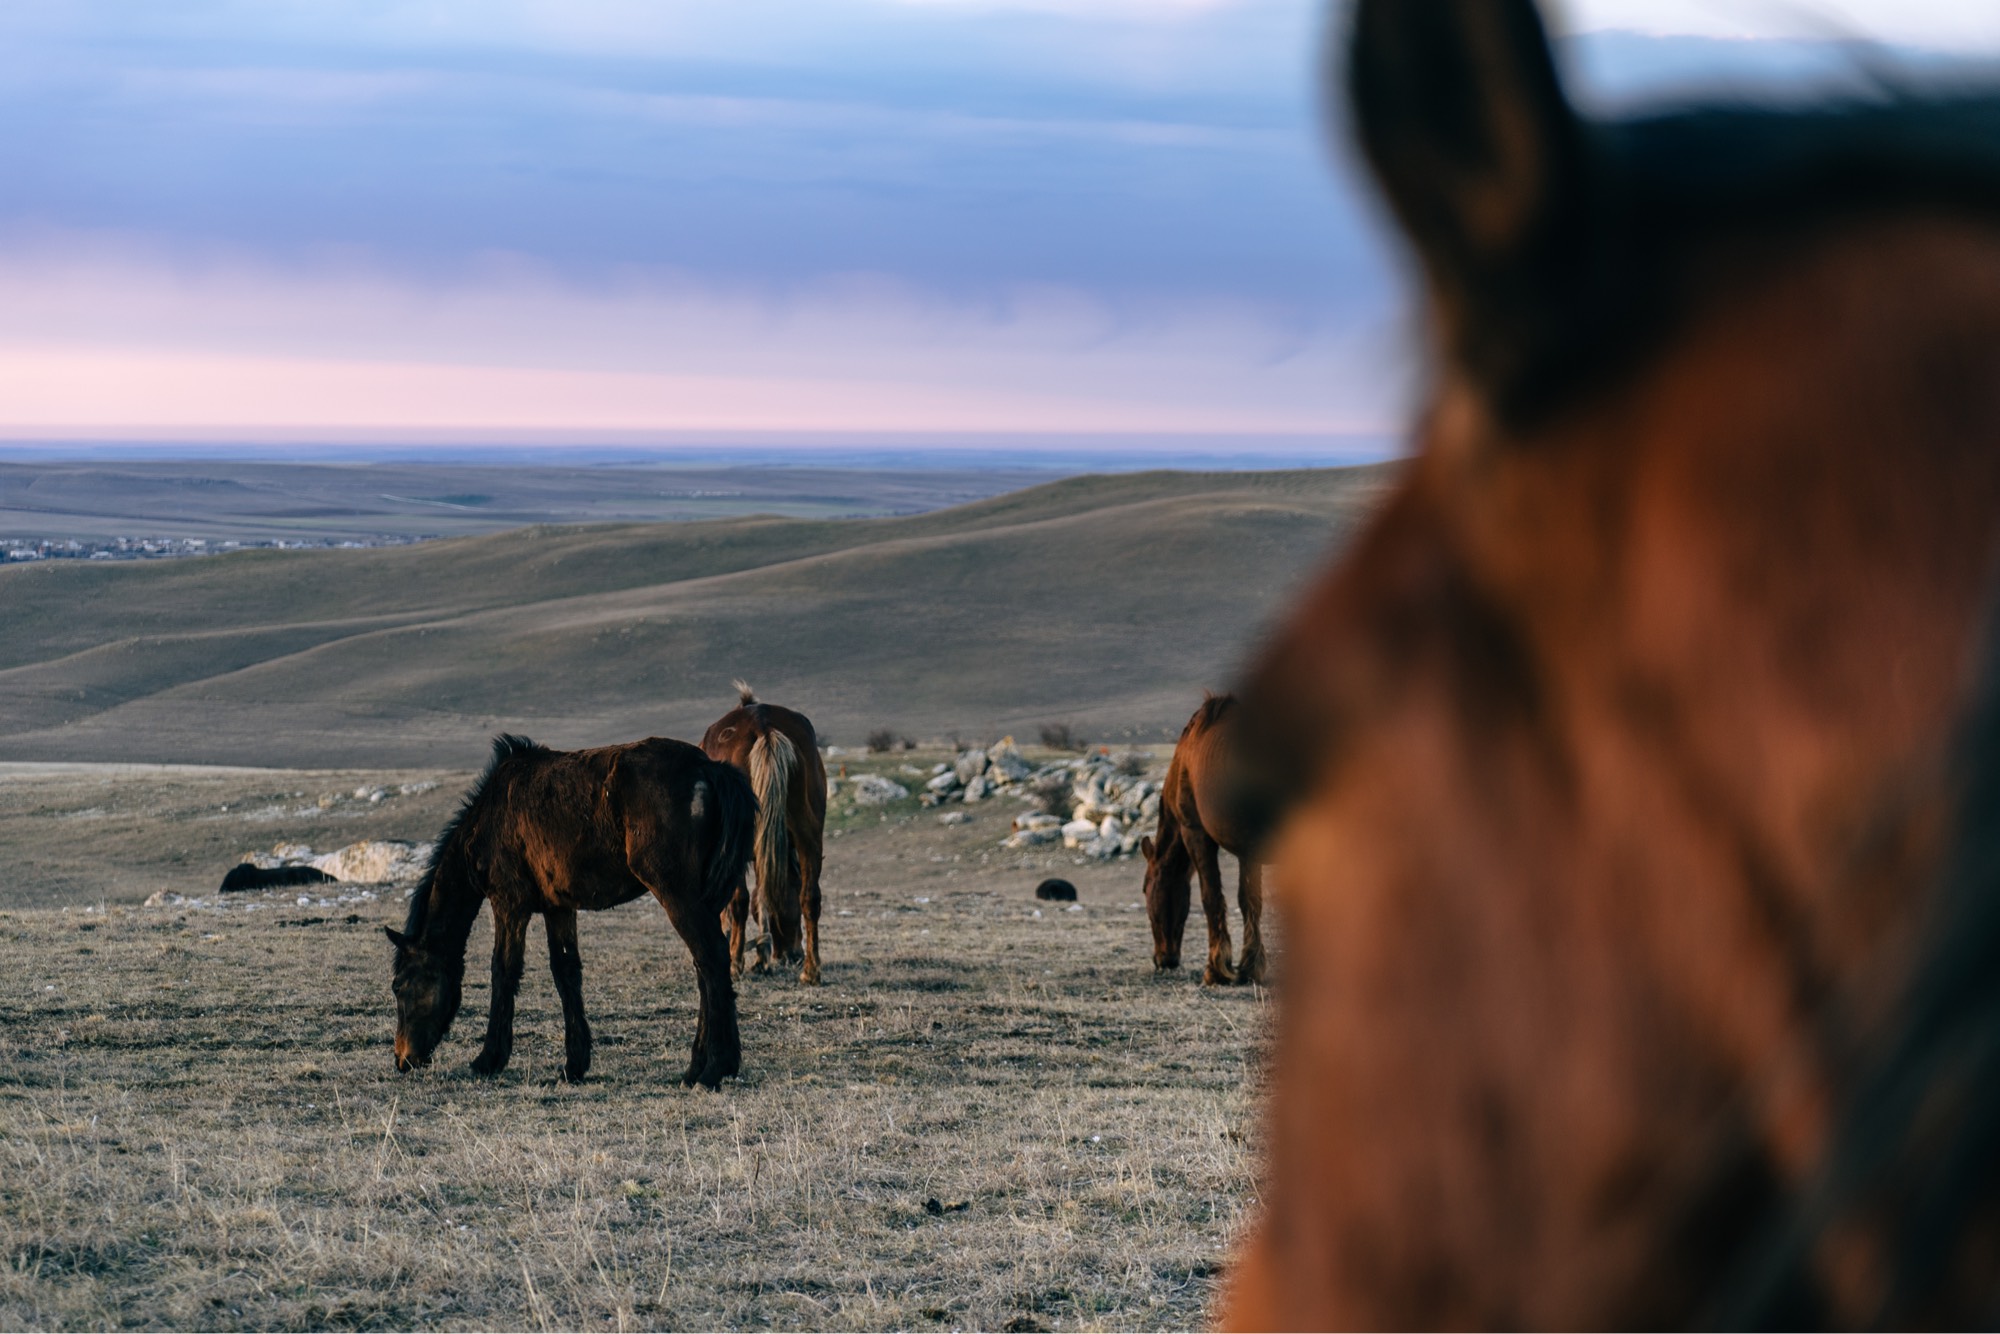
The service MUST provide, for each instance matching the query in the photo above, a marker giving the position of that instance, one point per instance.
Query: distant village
(162, 548)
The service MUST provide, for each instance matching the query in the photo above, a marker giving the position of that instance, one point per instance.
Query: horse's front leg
(566, 963)
(1213, 906)
(510, 938)
(1250, 898)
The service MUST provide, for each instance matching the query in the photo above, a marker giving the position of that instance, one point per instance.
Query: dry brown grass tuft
(984, 1117)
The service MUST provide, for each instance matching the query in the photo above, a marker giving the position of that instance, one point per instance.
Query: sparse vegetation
(1060, 736)
(881, 741)
(983, 1118)
(1054, 793)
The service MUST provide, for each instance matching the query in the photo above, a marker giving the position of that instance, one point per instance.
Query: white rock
(1028, 838)
(953, 817)
(1078, 832)
(1037, 820)
(969, 765)
(977, 788)
(943, 783)
(1004, 758)
(875, 790)
(374, 863)
(1111, 829)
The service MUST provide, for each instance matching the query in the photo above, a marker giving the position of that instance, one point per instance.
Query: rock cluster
(1109, 807)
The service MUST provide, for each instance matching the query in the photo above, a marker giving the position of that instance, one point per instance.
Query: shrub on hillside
(1054, 793)
(1058, 736)
(881, 741)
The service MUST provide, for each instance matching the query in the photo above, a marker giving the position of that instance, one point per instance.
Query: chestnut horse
(1194, 823)
(779, 751)
(1636, 774)
(549, 832)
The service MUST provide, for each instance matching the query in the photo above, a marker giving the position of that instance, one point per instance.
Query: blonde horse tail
(774, 772)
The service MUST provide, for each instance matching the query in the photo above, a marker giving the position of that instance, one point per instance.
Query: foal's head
(427, 987)
(1609, 769)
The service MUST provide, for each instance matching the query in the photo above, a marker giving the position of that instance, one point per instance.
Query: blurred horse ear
(1463, 119)
(397, 938)
(1146, 846)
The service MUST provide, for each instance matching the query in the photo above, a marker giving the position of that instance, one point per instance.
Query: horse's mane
(744, 694)
(1213, 706)
(505, 747)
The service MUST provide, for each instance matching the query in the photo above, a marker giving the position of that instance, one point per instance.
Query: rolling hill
(1107, 602)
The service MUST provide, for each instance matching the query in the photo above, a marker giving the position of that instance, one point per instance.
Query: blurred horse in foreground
(1636, 775)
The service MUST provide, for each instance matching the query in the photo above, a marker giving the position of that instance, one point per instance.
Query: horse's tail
(774, 773)
(729, 812)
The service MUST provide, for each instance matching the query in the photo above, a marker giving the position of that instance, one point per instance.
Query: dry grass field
(985, 1118)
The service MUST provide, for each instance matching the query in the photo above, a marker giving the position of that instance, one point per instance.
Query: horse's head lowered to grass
(1624, 779)
(428, 988)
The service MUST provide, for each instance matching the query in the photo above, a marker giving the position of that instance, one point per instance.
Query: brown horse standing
(779, 751)
(1643, 877)
(1194, 823)
(550, 832)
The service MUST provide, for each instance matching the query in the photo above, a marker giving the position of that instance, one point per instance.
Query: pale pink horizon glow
(103, 341)
(144, 394)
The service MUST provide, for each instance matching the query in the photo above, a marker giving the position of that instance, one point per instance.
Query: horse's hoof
(809, 975)
(1250, 972)
(488, 1066)
(575, 1072)
(1218, 975)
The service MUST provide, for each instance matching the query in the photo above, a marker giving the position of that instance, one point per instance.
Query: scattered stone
(954, 817)
(1078, 832)
(977, 789)
(875, 790)
(943, 783)
(969, 765)
(1004, 760)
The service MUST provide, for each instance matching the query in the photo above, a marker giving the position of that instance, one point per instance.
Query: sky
(560, 221)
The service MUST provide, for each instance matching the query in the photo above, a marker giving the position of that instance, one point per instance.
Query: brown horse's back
(1196, 785)
(1618, 762)
(1196, 822)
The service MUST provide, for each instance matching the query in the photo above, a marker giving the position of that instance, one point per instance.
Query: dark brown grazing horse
(547, 831)
(779, 751)
(1636, 774)
(1194, 823)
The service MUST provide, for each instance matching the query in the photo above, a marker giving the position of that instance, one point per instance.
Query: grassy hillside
(1107, 602)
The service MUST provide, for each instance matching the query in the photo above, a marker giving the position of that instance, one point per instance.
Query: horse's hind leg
(1213, 906)
(510, 939)
(737, 914)
(567, 964)
(1250, 898)
(718, 1049)
(809, 911)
